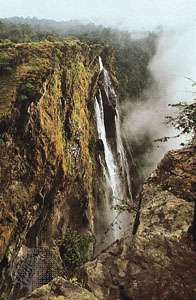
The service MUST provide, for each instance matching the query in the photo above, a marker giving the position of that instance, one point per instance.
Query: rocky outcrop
(60, 289)
(47, 141)
(159, 262)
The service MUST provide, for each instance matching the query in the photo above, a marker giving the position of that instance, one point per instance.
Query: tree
(184, 120)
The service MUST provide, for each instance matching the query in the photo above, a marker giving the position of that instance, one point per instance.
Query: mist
(173, 63)
(129, 14)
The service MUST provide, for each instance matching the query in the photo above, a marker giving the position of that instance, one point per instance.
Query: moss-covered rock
(47, 125)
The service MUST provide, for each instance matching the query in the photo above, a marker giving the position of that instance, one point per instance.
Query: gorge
(68, 178)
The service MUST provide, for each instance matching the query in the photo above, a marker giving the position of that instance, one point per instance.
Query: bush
(2, 139)
(27, 91)
(6, 64)
(185, 120)
(74, 248)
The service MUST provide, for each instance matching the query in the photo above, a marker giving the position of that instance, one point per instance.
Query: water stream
(115, 166)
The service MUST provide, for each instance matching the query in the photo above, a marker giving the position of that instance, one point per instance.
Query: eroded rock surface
(160, 261)
(60, 289)
(47, 130)
(50, 181)
(51, 177)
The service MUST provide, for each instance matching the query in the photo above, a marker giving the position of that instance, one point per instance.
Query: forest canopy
(133, 51)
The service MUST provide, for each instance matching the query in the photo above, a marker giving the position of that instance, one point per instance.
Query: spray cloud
(174, 60)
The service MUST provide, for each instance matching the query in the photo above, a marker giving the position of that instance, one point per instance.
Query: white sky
(133, 14)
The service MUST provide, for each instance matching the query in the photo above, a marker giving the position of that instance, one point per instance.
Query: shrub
(184, 120)
(27, 91)
(74, 248)
(23, 97)
(6, 64)
(2, 139)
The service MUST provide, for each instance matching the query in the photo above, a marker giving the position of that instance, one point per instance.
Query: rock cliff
(48, 146)
(52, 179)
(60, 289)
(159, 262)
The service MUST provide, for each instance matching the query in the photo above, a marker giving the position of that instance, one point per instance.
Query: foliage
(129, 64)
(2, 139)
(3, 58)
(56, 269)
(19, 33)
(74, 248)
(5, 62)
(27, 91)
(132, 55)
(185, 120)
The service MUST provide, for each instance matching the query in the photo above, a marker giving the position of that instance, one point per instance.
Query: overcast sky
(132, 14)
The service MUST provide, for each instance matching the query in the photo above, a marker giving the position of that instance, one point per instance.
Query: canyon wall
(52, 159)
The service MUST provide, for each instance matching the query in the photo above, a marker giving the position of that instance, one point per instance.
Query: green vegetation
(27, 91)
(4, 58)
(74, 248)
(18, 33)
(6, 63)
(125, 55)
(184, 120)
(131, 55)
(2, 139)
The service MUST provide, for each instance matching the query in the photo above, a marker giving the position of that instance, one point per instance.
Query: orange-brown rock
(47, 128)
(159, 263)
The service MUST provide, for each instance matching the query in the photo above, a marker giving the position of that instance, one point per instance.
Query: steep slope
(47, 128)
(159, 262)
(56, 184)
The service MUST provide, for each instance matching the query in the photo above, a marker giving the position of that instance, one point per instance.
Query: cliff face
(159, 262)
(58, 170)
(48, 136)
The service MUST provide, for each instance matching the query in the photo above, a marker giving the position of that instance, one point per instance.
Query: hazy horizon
(124, 14)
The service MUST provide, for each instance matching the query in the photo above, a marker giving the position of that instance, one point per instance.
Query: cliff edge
(159, 262)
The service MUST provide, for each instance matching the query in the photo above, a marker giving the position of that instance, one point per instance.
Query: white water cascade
(109, 159)
(121, 153)
(111, 172)
(115, 167)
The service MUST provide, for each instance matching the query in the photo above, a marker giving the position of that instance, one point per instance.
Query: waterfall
(121, 154)
(115, 166)
(109, 159)
(100, 64)
(120, 148)
(111, 172)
